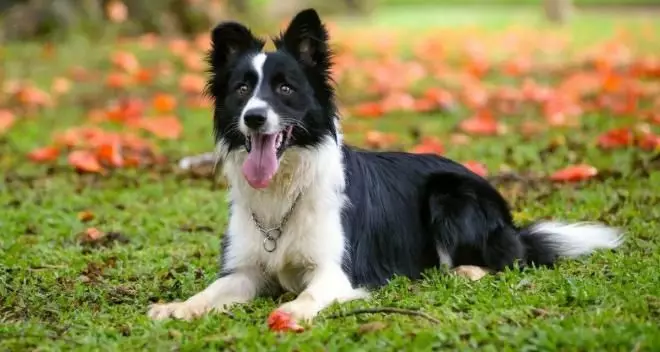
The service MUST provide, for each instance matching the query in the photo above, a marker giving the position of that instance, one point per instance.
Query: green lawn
(59, 294)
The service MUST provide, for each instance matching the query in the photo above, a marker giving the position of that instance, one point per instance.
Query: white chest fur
(313, 234)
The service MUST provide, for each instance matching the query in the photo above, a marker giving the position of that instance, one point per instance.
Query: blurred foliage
(516, 2)
(58, 19)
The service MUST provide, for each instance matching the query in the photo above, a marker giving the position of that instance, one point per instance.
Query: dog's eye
(243, 89)
(285, 89)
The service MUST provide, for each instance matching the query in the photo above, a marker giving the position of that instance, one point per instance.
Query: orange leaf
(164, 103)
(85, 216)
(92, 234)
(7, 119)
(482, 123)
(85, 161)
(440, 96)
(117, 80)
(192, 84)
(125, 61)
(61, 85)
(283, 322)
(44, 154)
(116, 11)
(110, 153)
(370, 109)
(574, 173)
(425, 105)
(167, 127)
(476, 167)
(378, 140)
(143, 76)
(429, 145)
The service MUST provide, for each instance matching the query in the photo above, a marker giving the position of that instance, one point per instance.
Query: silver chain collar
(271, 235)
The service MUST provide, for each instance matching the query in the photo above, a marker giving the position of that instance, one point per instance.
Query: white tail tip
(572, 240)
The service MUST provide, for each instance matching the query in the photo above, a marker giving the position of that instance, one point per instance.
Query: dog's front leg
(240, 286)
(327, 285)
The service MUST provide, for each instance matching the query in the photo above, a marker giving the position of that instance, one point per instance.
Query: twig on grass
(46, 267)
(387, 310)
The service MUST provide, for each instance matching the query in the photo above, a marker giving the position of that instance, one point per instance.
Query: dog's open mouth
(264, 151)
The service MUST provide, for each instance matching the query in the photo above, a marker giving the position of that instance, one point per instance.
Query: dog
(329, 222)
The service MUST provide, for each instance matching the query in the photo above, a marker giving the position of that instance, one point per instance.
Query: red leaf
(378, 140)
(110, 153)
(84, 160)
(7, 119)
(167, 127)
(620, 137)
(429, 145)
(482, 123)
(282, 321)
(439, 96)
(44, 154)
(649, 141)
(476, 167)
(371, 109)
(574, 173)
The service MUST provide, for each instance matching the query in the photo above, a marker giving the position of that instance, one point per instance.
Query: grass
(57, 294)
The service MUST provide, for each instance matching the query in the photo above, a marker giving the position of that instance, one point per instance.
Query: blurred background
(43, 19)
(418, 75)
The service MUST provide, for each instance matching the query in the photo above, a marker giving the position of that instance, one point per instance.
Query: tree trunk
(557, 11)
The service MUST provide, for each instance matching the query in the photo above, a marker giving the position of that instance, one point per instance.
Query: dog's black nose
(255, 118)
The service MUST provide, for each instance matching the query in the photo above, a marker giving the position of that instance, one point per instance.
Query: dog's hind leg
(471, 225)
(239, 286)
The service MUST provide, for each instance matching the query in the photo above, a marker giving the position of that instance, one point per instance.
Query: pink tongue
(261, 163)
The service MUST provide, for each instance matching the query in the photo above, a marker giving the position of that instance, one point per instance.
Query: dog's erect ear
(307, 38)
(229, 39)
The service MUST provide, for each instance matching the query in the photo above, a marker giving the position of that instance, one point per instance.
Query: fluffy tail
(546, 241)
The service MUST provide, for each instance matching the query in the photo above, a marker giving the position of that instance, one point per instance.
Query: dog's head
(268, 102)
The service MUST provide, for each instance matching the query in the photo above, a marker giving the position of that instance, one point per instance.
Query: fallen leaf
(163, 103)
(85, 216)
(92, 234)
(110, 153)
(429, 145)
(125, 61)
(379, 140)
(616, 138)
(116, 11)
(476, 167)
(7, 119)
(649, 142)
(192, 84)
(44, 154)
(369, 109)
(574, 173)
(168, 127)
(482, 123)
(61, 86)
(283, 322)
(84, 160)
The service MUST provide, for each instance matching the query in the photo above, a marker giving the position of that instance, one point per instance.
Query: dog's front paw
(302, 309)
(178, 310)
(471, 272)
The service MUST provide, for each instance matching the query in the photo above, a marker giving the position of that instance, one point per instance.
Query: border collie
(329, 222)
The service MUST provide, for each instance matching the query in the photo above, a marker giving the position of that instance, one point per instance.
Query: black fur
(402, 207)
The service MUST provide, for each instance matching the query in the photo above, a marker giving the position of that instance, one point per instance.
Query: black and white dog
(311, 215)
